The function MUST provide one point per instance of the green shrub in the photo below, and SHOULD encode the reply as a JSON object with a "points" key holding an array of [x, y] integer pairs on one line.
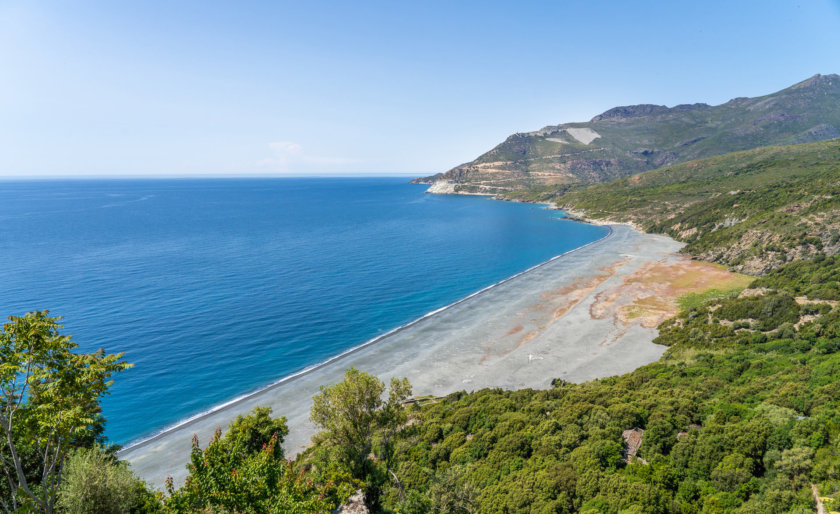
{"points": [[95, 483]]}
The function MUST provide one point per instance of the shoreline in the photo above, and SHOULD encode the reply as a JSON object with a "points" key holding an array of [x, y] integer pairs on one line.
{"points": [[557, 319], [605, 222], [197, 418]]}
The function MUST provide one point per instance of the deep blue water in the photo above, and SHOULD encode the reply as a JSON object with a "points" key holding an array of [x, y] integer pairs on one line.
{"points": [[214, 288]]}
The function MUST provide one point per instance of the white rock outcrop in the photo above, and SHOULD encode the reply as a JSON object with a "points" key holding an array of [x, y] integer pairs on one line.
{"points": [[584, 135], [442, 187]]}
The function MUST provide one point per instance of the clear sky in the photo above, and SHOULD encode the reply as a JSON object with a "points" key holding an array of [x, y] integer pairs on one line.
{"points": [[303, 88]]}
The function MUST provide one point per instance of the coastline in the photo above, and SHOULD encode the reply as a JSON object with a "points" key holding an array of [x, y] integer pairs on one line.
{"points": [[592, 221], [523, 331], [197, 418]]}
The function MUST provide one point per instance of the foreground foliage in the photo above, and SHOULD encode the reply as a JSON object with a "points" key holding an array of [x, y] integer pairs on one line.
{"points": [[244, 471], [49, 405], [358, 427], [96, 483]]}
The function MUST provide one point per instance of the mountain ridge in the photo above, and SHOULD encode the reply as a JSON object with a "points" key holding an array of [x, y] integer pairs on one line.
{"points": [[626, 140]]}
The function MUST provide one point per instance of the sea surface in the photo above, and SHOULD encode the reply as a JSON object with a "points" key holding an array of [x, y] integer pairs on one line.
{"points": [[214, 288]]}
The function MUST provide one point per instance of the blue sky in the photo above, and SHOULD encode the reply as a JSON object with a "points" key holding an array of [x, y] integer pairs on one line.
{"points": [[311, 88]]}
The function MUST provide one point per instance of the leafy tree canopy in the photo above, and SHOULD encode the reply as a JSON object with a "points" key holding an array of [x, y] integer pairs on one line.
{"points": [[49, 404]]}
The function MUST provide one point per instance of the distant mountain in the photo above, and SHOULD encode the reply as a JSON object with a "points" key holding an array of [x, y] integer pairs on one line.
{"points": [[627, 140], [752, 210]]}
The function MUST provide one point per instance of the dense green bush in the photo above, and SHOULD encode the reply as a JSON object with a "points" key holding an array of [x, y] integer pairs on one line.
{"points": [[817, 279], [94, 482], [770, 311], [244, 471]]}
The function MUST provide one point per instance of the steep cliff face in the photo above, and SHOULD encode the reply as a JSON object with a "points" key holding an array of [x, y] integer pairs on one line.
{"points": [[627, 140]]}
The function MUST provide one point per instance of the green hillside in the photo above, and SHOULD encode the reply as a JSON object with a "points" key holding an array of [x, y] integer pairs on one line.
{"points": [[751, 210], [637, 138], [737, 416]]}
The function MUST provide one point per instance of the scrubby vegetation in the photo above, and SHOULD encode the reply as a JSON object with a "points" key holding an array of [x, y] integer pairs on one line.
{"points": [[733, 418], [752, 210], [815, 279], [95, 482]]}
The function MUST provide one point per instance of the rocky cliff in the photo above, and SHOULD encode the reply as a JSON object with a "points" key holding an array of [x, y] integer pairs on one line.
{"points": [[630, 139]]}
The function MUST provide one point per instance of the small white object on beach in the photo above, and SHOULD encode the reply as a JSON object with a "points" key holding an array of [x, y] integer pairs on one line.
{"points": [[532, 357]]}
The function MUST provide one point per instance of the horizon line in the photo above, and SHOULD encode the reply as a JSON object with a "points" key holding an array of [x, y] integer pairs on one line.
{"points": [[175, 176]]}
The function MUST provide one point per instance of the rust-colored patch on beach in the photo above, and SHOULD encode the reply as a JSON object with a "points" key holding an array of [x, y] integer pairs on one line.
{"points": [[649, 311], [646, 297], [515, 330], [553, 305], [528, 337], [617, 333], [585, 284], [563, 299], [604, 302]]}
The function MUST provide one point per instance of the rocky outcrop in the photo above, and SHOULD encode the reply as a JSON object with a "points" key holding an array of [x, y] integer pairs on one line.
{"points": [[442, 187], [631, 111], [632, 443], [355, 505]]}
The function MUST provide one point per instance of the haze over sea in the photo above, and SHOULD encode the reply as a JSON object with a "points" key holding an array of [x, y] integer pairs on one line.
{"points": [[217, 287]]}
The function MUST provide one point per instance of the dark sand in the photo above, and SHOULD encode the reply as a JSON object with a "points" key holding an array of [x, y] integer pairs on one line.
{"points": [[547, 323]]}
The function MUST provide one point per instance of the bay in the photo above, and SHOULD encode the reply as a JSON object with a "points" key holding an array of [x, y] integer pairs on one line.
{"points": [[216, 287]]}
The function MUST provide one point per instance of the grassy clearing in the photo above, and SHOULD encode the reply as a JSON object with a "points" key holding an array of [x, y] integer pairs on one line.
{"points": [[694, 299]]}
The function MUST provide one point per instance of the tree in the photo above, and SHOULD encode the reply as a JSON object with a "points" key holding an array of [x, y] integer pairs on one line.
{"points": [[251, 433], [49, 403], [244, 471], [796, 462], [451, 492], [732, 472], [354, 418], [96, 483]]}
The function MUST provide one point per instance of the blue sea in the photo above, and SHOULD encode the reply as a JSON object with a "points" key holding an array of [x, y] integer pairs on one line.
{"points": [[216, 287]]}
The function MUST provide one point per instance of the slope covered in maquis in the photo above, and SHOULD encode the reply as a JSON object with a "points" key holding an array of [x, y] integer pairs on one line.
{"points": [[751, 210]]}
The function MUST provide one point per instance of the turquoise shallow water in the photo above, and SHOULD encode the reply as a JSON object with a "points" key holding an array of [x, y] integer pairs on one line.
{"points": [[214, 288]]}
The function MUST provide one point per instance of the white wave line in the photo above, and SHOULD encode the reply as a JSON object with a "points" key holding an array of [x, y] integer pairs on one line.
{"points": [[334, 358]]}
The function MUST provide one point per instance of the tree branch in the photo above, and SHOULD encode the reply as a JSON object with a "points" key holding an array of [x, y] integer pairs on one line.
{"points": [[18, 466]]}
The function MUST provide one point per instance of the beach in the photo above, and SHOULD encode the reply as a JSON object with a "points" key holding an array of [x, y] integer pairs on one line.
{"points": [[588, 314]]}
